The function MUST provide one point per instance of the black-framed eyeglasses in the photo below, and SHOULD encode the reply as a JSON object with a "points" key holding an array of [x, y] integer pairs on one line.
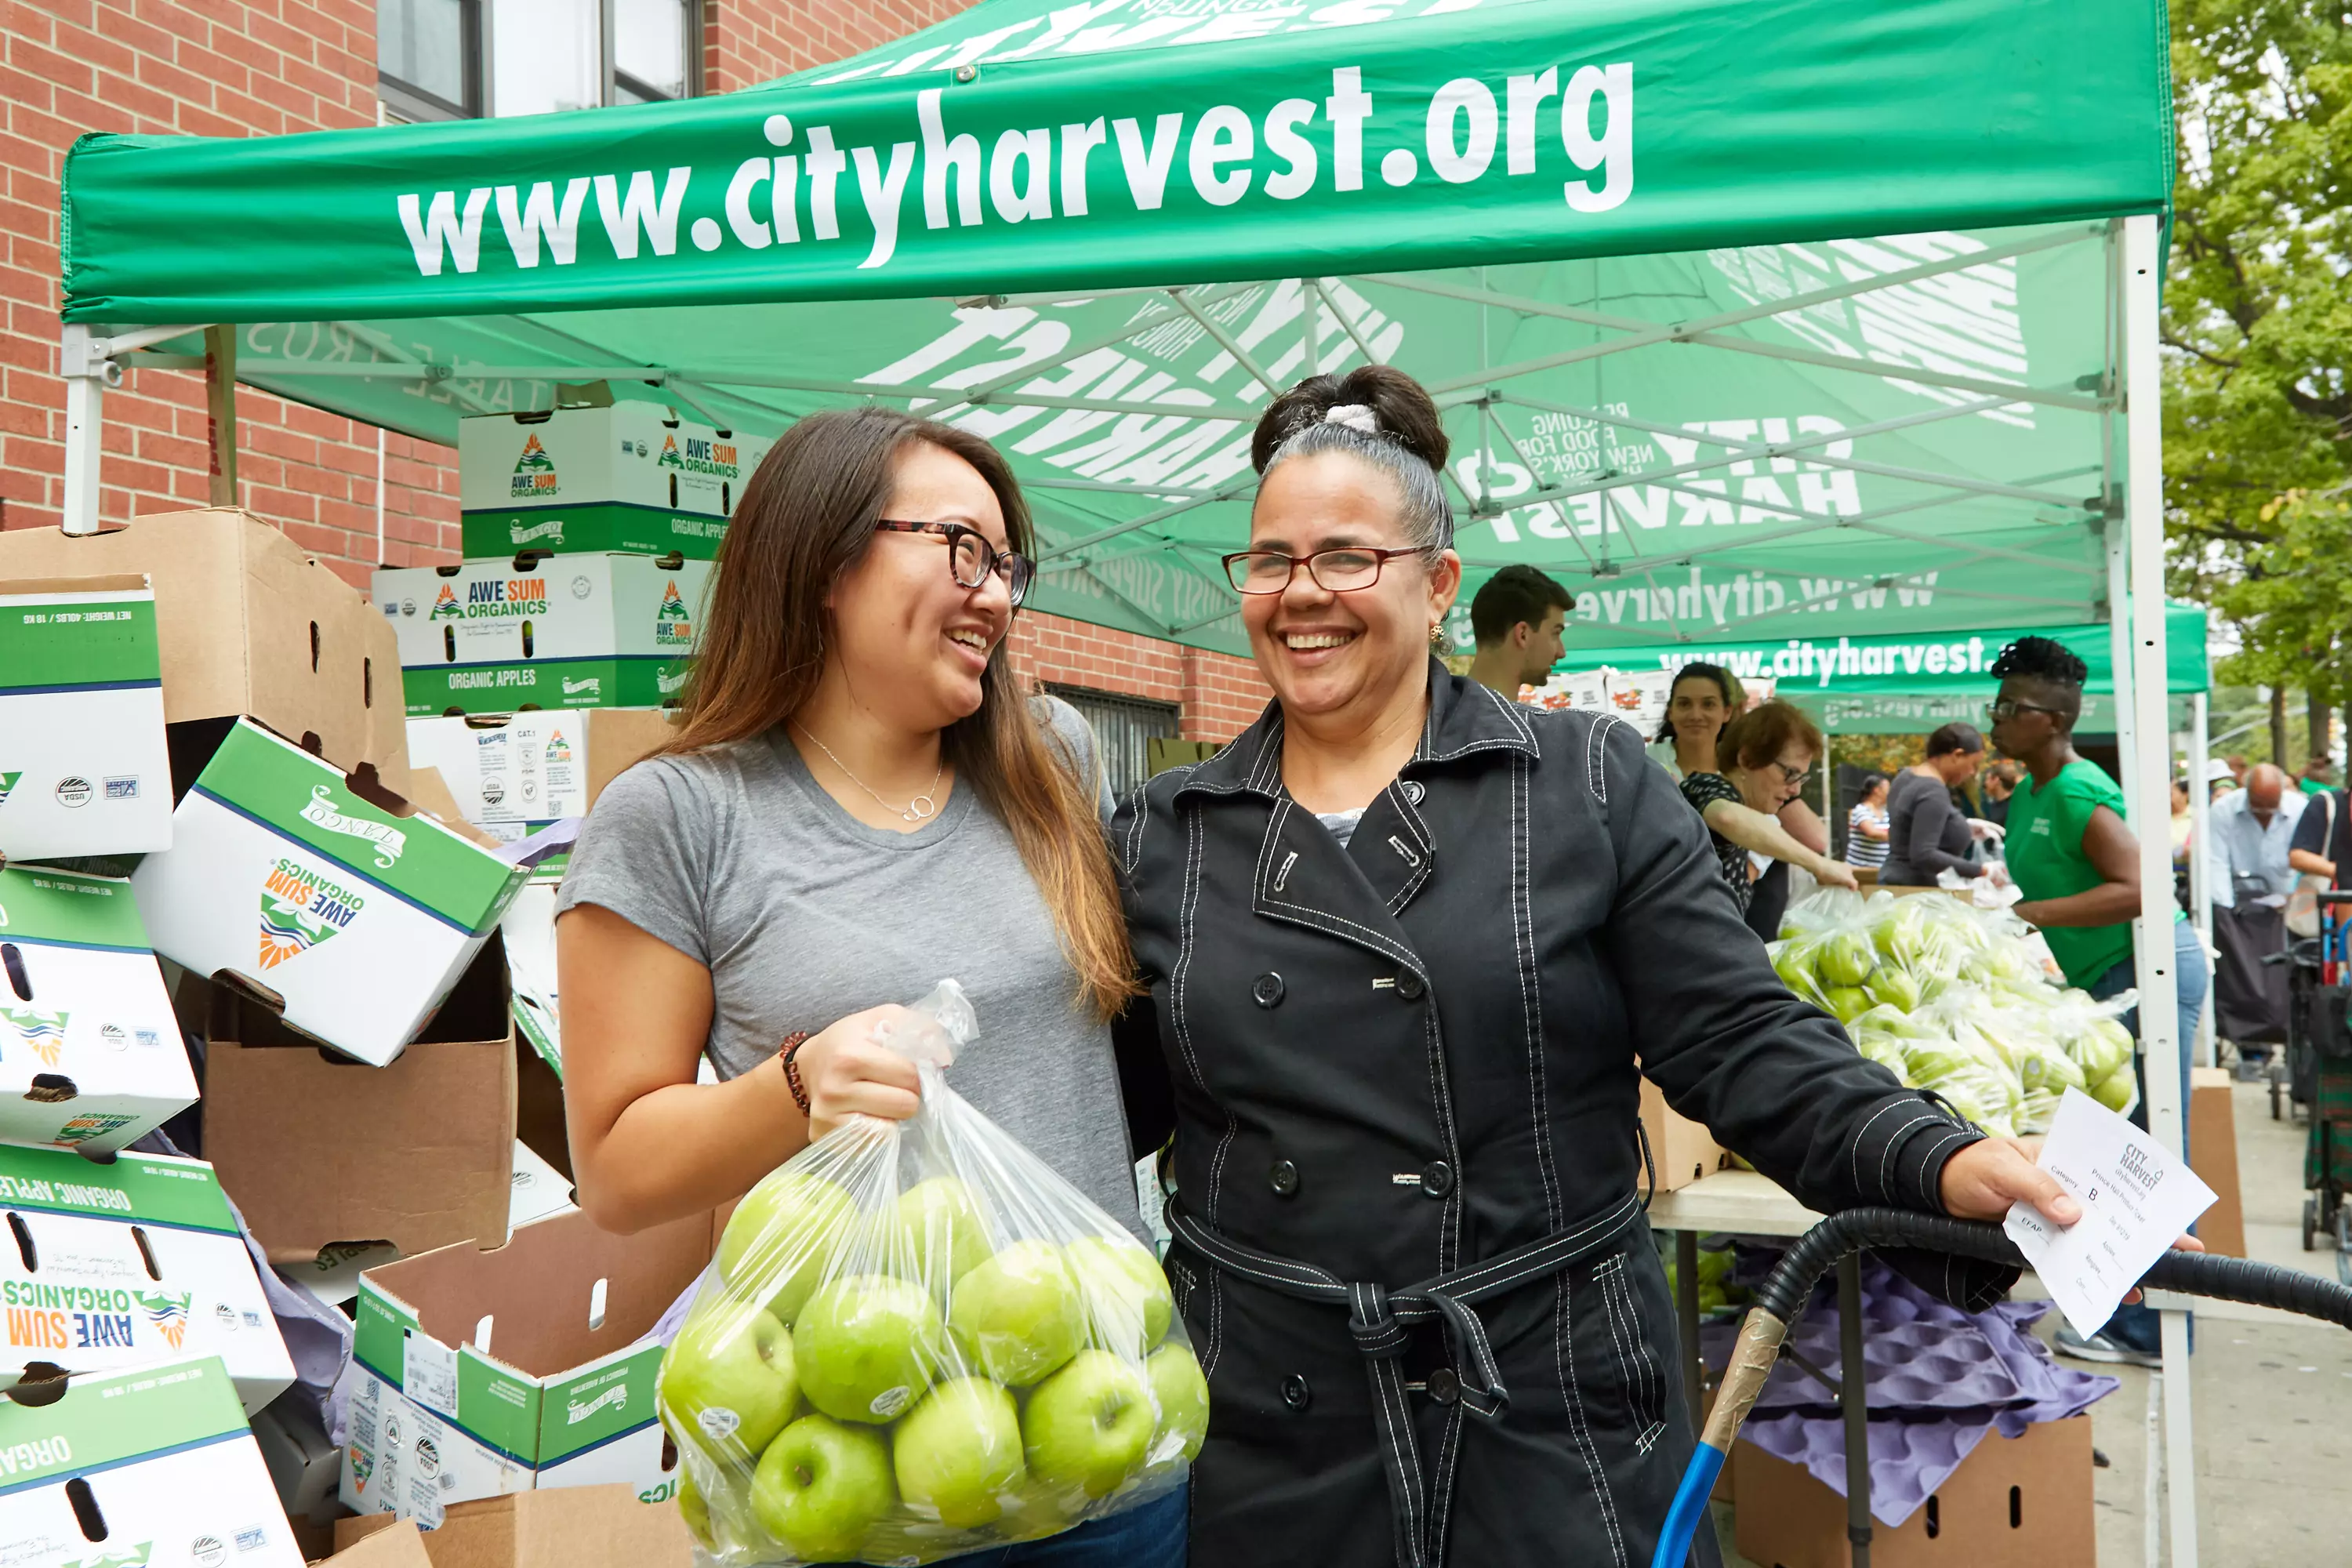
{"points": [[1793, 775], [2010, 708], [970, 557], [1339, 571]]}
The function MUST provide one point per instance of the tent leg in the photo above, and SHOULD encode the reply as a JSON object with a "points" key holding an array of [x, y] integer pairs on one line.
{"points": [[2201, 881], [86, 379], [2147, 794], [220, 411]]}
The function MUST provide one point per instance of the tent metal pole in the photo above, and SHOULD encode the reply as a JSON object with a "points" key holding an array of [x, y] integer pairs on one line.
{"points": [[86, 378], [2200, 881], [220, 413], [2159, 1004]]}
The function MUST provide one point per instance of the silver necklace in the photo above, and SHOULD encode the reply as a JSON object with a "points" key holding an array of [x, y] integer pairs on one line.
{"points": [[919, 809]]}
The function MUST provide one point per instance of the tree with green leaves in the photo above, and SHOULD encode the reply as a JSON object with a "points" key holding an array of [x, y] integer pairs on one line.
{"points": [[2258, 323]]}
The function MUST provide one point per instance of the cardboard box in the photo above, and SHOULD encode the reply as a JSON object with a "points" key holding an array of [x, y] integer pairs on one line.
{"points": [[631, 476], [154, 1466], [106, 1266], [246, 625], [574, 631], [512, 773], [83, 766], [2213, 1155], [586, 1527], [382, 1542], [303, 1464], [2013, 1503], [91, 1053], [355, 914], [516, 1370], [319, 1151], [1682, 1149]]}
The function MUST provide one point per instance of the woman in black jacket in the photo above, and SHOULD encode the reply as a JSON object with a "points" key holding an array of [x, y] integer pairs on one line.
{"points": [[1926, 832], [1405, 941]]}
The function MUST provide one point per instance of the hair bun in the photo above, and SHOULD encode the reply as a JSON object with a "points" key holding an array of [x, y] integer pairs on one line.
{"points": [[1377, 399]]}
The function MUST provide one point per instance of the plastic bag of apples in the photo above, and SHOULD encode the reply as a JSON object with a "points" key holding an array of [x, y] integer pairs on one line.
{"points": [[917, 1341]]}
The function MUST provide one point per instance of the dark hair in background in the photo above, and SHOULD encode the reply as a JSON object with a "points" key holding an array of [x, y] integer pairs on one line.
{"points": [[1734, 695], [806, 517], [1870, 782], [1756, 737], [1515, 595], [1955, 737], [2040, 658], [1407, 441]]}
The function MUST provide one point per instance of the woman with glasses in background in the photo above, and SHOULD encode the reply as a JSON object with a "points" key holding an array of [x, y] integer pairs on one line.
{"points": [[858, 803], [1763, 756]]}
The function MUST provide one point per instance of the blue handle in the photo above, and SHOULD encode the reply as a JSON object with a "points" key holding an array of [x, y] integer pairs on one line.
{"points": [[1689, 1511]]}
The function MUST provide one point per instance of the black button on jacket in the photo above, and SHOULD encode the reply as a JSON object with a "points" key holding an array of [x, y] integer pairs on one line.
{"points": [[1451, 1074]]}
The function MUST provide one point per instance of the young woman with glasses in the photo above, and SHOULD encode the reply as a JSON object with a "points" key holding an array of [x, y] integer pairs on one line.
{"points": [[859, 803], [1405, 938]]}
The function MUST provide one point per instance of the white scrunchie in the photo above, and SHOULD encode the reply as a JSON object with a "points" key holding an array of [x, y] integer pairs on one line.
{"points": [[1354, 415]]}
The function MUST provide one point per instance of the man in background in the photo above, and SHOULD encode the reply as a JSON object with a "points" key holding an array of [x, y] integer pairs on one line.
{"points": [[1518, 619], [1998, 784], [2250, 833]]}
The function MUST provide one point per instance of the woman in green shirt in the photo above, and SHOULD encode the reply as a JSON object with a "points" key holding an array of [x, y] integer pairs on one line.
{"points": [[2077, 864]]}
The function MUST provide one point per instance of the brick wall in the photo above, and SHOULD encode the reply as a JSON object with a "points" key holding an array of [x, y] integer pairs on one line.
{"points": [[1219, 695]]}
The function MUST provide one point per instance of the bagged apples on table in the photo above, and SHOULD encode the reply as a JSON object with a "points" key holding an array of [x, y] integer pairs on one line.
{"points": [[917, 1341]]}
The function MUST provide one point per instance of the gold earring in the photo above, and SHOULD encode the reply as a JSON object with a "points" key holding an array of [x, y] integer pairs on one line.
{"points": [[1437, 635]]}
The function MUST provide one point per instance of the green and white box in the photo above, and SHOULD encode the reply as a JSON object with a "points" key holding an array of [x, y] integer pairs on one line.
{"points": [[634, 476], [484, 1372], [83, 768], [114, 1266], [573, 631], [168, 1477], [90, 1053], [358, 920]]}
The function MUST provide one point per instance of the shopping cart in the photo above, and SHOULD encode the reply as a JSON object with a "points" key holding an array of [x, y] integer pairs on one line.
{"points": [[1785, 1291], [2321, 1078]]}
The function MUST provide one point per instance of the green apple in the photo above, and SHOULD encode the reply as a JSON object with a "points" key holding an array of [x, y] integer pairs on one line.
{"points": [[781, 1238], [2116, 1091], [1184, 1396], [1038, 1509], [868, 1346], [727, 1380], [1126, 1293], [821, 1486], [693, 1510], [960, 1451], [1891, 987], [945, 1236], [1847, 1002], [1019, 1314], [1846, 959], [1089, 1424]]}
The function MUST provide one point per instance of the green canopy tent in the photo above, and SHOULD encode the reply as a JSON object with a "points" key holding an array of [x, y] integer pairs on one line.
{"points": [[1752, 319]]}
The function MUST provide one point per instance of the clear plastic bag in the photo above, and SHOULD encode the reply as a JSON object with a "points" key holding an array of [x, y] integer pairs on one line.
{"points": [[917, 1341]]}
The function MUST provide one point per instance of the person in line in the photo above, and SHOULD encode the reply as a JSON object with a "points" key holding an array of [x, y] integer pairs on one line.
{"points": [[2220, 782], [1927, 831], [1517, 619], [1701, 699], [1402, 939], [2073, 856], [2322, 846], [2250, 834], [858, 803], [1865, 824], [1996, 784], [2318, 777], [1766, 754], [2236, 762]]}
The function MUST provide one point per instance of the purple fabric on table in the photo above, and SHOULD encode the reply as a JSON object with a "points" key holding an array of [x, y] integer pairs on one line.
{"points": [[1940, 1379]]}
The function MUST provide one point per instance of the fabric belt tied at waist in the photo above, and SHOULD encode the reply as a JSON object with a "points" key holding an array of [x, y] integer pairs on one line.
{"points": [[1377, 1321]]}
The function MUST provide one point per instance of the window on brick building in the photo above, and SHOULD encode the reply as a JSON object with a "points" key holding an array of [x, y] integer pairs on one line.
{"points": [[1126, 727], [443, 59]]}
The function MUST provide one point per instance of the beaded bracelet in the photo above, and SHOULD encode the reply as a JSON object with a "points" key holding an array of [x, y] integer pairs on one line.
{"points": [[793, 1043]]}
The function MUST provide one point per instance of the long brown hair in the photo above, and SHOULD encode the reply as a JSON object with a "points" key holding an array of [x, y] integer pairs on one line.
{"points": [[807, 517]]}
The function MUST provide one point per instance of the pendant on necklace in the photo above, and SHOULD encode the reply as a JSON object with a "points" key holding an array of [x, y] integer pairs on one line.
{"points": [[921, 808]]}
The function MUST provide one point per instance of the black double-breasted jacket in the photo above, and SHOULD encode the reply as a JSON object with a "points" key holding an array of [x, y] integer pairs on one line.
{"points": [[1397, 1058]]}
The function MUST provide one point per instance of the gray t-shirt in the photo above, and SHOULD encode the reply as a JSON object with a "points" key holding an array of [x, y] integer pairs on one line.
{"points": [[738, 858]]}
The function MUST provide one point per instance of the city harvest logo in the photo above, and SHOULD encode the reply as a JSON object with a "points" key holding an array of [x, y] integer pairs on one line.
{"points": [[9, 784], [591, 686], [389, 841], [299, 910], [166, 1313], [534, 473], [552, 531], [445, 607], [673, 628], [40, 1032]]}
